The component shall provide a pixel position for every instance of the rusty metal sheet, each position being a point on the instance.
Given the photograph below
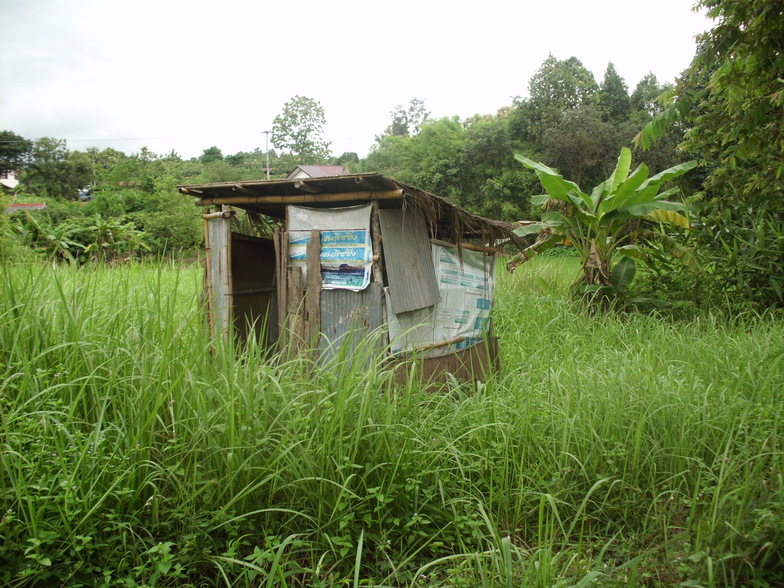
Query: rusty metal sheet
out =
(471, 364)
(409, 261)
(350, 318)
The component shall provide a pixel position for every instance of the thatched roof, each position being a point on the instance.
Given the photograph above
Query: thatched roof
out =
(447, 221)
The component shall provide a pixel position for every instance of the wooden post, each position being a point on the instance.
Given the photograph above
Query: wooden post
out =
(282, 254)
(207, 277)
(378, 266)
(313, 293)
(218, 247)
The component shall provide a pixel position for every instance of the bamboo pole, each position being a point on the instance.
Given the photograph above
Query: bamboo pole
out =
(301, 198)
(469, 246)
(429, 346)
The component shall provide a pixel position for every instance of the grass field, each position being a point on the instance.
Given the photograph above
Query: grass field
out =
(618, 450)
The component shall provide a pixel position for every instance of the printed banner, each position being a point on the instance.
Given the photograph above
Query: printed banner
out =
(466, 295)
(346, 250)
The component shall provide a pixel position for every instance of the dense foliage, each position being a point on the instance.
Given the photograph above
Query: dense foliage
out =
(732, 100)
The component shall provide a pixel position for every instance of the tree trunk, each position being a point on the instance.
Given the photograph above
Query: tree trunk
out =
(596, 271)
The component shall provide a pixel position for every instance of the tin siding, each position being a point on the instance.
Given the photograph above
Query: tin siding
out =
(409, 262)
(350, 318)
(220, 299)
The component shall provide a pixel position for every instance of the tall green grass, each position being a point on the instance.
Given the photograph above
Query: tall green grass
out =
(619, 450)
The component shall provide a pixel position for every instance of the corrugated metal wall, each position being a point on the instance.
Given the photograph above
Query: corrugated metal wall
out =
(350, 319)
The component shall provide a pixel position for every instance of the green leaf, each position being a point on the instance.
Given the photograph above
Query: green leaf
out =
(621, 171)
(671, 173)
(551, 180)
(667, 193)
(644, 208)
(623, 274)
(529, 229)
(598, 194)
(540, 199)
(669, 216)
(629, 187)
(675, 249)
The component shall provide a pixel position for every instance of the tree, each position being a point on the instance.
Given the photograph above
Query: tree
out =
(55, 172)
(580, 144)
(645, 93)
(557, 87)
(14, 150)
(348, 159)
(732, 98)
(211, 154)
(299, 129)
(436, 158)
(407, 121)
(619, 219)
(613, 97)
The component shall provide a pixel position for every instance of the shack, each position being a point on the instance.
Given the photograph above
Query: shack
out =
(349, 261)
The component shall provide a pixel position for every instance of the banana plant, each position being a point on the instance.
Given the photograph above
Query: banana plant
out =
(619, 222)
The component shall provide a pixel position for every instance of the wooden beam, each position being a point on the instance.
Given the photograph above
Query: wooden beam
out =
(296, 312)
(363, 183)
(300, 185)
(302, 198)
(242, 189)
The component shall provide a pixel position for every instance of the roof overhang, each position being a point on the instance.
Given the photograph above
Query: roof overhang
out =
(270, 197)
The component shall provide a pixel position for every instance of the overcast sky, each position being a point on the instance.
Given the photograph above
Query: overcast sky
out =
(189, 74)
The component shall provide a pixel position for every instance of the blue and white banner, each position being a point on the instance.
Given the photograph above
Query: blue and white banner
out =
(466, 288)
(346, 249)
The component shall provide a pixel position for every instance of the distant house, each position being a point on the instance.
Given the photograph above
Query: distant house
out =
(9, 179)
(317, 171)
(11, 208)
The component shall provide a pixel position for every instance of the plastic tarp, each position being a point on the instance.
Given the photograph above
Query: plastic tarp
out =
(346, 249)
(466, 293)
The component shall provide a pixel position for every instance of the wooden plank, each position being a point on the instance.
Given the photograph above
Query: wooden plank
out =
(409, 260)
(375, 233)
(302, 198)
(208, 278)
(378, 265)
(295, 315)
(313, 292)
